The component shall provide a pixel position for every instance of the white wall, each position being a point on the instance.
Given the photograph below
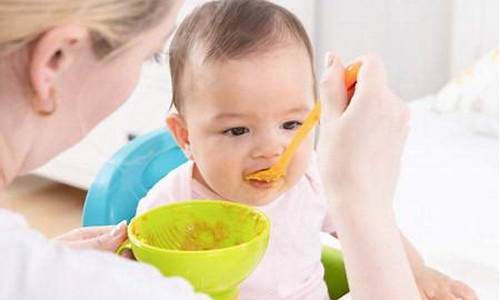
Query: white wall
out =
(413, 38)
(423, 42)
(474, 31)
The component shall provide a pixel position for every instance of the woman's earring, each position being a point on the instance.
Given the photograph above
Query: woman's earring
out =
(42, 110)
(187, 151)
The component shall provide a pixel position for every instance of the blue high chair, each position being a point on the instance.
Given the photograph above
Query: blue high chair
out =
(136, 167)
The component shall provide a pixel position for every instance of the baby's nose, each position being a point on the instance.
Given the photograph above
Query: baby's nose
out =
(269, 147)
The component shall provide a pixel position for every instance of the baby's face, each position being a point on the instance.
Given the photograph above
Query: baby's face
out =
(240, 116)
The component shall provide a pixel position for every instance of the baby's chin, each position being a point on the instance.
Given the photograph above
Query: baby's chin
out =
(259, 201)
(258, 194)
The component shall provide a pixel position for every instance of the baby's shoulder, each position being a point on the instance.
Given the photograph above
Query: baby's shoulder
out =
(171, 188)
(308, 192)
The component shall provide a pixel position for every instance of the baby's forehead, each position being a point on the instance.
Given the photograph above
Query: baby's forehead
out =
(219, 113)
(284, 71)
(287, 55)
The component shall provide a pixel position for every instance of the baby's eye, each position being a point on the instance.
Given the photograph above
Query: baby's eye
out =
(236, 131)
(291, 125)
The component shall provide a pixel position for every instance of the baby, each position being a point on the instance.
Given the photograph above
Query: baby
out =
(243, 83)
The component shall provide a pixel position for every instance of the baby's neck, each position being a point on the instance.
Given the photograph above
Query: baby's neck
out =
(199, 178)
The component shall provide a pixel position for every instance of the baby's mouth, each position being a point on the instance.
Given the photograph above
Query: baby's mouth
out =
(255, 172)
(260, 184)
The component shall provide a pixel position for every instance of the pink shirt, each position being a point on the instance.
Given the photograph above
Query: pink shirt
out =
(291, 267)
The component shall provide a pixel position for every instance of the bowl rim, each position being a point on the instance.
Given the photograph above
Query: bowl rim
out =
(137, 242)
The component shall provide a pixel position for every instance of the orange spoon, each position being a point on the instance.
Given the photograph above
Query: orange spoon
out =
(351, 74)
(278, 170)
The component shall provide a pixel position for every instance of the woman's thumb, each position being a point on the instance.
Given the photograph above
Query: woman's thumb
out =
(332, 88)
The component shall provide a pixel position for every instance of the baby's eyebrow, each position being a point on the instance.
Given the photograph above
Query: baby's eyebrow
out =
(234, 115)
(300, 109)
(230, 115)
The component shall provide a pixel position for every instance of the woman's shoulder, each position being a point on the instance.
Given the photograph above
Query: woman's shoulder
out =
(10, 220)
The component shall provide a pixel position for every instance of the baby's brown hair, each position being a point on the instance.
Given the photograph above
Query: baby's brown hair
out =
(232, 29)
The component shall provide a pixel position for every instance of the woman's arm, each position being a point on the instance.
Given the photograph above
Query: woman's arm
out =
(36, 268)
(376, 263)
(359, 151)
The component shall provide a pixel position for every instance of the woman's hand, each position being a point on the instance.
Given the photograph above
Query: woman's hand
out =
(362, 138)
(106, 238)
(434, 285)
(359, 157)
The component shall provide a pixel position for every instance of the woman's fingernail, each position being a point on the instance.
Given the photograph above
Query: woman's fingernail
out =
(118, 228)
(329, 58)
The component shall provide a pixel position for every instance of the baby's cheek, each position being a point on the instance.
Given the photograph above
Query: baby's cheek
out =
(296, 170)
(222, 170)
(300, 162)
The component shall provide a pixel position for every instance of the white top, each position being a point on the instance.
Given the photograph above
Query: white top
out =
(33, 267)
(291, 268)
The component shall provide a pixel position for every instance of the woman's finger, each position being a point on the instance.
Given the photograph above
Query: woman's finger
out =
(444, 294)
(463, 291)
(108, 242)
(84, 233)
(332, 88)
(372, 71)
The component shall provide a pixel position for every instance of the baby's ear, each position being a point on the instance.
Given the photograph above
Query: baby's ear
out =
(178, 129)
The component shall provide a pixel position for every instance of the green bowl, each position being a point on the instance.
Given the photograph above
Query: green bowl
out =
(213, 244)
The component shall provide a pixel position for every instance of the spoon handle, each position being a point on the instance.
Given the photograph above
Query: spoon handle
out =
(303, 131)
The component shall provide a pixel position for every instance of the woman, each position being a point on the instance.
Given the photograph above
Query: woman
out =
(66, 65)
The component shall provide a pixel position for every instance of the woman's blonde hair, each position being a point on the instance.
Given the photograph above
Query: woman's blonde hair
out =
(111, 23)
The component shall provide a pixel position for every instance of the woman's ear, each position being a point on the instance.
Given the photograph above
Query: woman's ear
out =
(177, 126)
(51, 55)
